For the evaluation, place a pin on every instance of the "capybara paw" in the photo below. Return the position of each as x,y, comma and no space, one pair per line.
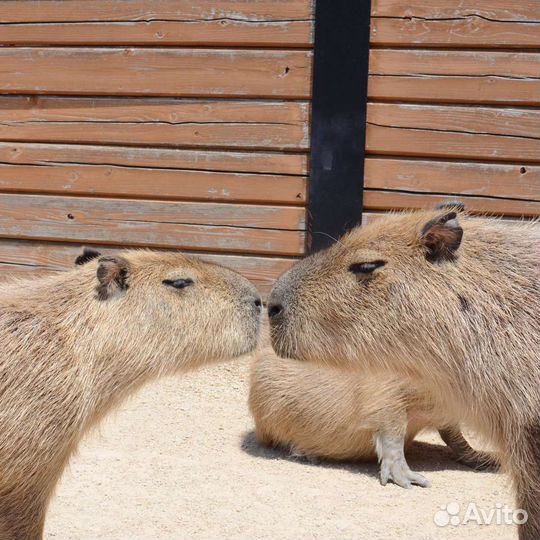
398,472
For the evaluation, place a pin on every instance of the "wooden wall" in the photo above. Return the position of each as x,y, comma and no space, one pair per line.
185,123
454,105
163,123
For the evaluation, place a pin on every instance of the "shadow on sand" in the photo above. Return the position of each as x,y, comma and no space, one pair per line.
421,456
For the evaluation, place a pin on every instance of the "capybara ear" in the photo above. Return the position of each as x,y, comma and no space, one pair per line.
456,206
442,237
112,274
87,255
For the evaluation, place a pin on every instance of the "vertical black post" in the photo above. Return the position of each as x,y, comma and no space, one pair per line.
338,119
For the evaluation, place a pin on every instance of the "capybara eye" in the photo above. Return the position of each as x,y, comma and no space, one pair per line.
178,283
365,267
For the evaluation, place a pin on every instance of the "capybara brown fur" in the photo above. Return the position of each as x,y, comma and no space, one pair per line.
77,343
323,412
451,302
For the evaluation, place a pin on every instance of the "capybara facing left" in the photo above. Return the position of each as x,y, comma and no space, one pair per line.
76,344
451,302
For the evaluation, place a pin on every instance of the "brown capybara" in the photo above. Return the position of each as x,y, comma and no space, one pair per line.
450,302
77,343
323,412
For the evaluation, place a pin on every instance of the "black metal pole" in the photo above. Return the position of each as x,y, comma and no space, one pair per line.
338,119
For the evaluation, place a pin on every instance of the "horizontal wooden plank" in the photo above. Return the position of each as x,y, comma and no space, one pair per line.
397,200
458,132
459,63
460,31
223,31
153,22
481,90
259,24
203,160
414,75
455,76
160,72
516,122
100,11
433,143
216,32
26,258
156,122
449,23
496,10
196,226
457,179
97,180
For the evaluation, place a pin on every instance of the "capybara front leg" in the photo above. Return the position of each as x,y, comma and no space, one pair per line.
390,448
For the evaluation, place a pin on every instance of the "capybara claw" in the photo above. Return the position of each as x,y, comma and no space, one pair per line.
399,473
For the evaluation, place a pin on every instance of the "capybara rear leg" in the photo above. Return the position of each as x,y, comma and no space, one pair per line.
464,453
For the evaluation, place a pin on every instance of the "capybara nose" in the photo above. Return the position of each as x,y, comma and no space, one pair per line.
274,310
254,300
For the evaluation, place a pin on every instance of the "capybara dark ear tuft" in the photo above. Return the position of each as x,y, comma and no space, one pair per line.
441,237
87,255
112,274
456,206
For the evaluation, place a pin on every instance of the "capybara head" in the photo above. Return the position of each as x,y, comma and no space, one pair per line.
166,305
399,285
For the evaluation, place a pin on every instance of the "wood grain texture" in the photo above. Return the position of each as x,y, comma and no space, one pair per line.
154,22
497,10
100,11
397,200
452,23
457,132
455,76
196,226
462,31
455,89
514,122
454,178
27,258
417,75
146,183
427,62
262,24
203,160
160,72
156,122
204,33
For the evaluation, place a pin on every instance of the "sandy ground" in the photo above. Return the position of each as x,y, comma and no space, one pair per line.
180,461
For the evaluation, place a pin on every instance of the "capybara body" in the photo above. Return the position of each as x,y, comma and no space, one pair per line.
450,302
323,412
77,343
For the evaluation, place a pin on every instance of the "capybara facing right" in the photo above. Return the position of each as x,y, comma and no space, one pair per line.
452,303
75,344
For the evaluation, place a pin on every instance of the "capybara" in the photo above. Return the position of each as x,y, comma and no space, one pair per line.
77,343
323,412
451,302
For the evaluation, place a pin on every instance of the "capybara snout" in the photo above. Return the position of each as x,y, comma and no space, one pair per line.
184,307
